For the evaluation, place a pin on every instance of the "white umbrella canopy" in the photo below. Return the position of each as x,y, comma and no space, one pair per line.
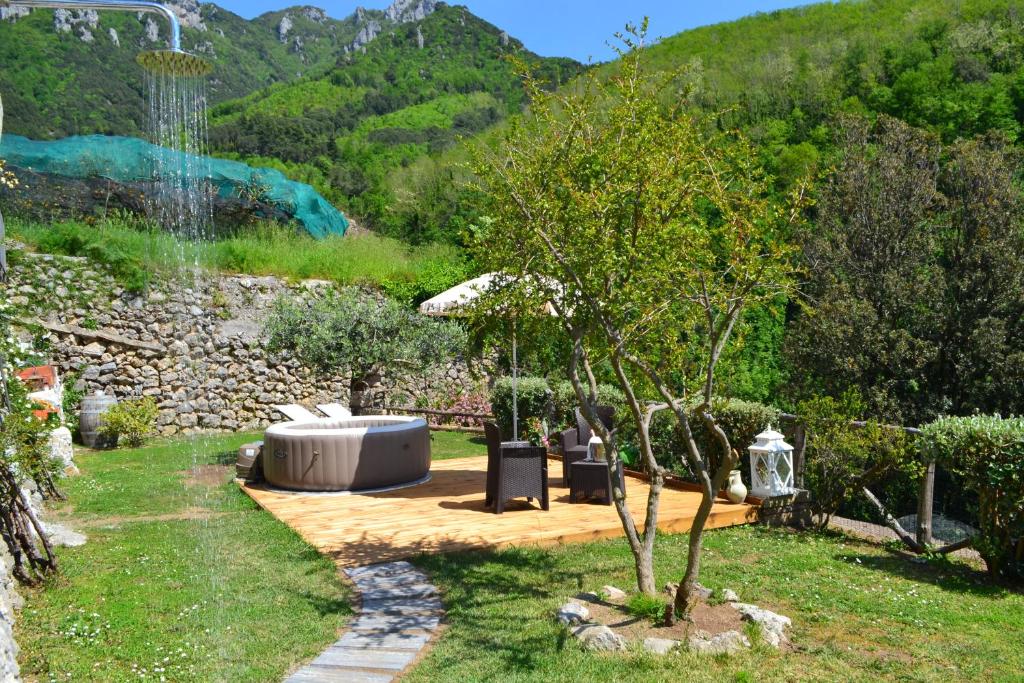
456,301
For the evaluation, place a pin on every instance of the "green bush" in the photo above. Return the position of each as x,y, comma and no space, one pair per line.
564,404
534,400
987,453
741,421
841,459
130,422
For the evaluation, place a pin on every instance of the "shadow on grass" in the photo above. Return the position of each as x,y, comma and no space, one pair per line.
326,606
481,591
948,575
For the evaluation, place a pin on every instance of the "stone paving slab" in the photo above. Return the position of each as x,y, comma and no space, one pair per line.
319,674
399,614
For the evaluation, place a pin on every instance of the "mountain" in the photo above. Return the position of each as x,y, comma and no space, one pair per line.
74,72
392,104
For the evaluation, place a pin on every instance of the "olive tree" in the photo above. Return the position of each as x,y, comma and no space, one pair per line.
648,231
355,334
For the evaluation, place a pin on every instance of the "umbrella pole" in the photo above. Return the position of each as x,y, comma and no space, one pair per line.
515,388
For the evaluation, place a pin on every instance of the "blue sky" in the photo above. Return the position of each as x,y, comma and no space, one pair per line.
567,28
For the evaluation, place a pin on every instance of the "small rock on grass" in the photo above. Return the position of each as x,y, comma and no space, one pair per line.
613,594
599,638
728,595
660,646
726,643
573,612
773,626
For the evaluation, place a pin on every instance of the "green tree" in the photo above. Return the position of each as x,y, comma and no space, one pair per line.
649,233
356,334
916,277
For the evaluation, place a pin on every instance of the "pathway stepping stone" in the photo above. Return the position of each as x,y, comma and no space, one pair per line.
400,612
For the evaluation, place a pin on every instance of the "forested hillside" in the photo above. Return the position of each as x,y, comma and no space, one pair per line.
72,73
955,68
414,91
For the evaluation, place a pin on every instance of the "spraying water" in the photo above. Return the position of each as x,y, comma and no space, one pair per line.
182,200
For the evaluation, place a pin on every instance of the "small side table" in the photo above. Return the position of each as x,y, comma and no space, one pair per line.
593,479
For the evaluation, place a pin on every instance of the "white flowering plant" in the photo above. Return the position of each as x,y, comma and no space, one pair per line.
7,178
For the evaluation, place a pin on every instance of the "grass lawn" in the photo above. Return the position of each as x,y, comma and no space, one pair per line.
448,445
183,577
183,573
860,612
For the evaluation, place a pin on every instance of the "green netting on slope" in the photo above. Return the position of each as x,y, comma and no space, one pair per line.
130,160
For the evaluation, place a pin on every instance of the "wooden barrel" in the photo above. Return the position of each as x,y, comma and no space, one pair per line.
93,407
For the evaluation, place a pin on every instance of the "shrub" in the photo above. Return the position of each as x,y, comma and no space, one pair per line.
131,422
534,400
71,402
842,459
987,453
741,421
564,404
646,606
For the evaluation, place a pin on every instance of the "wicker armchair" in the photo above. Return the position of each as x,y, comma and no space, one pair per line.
514,471
574,440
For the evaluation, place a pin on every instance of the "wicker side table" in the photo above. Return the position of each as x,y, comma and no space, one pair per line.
593,479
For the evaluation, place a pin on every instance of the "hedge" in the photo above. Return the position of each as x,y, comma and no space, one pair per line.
556,403
534,400
987,453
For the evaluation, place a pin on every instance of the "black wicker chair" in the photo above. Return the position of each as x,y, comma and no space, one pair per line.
575,439
514,471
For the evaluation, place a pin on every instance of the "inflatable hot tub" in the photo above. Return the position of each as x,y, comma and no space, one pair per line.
347,454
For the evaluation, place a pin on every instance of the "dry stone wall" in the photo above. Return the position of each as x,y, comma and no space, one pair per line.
194,343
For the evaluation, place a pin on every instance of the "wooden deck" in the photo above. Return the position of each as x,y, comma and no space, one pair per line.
448,514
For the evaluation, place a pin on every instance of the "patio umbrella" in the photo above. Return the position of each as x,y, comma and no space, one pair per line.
454,302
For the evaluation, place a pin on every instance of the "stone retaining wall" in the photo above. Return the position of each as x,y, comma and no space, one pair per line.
202,356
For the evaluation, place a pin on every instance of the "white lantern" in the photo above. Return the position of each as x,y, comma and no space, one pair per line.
595,448
771,465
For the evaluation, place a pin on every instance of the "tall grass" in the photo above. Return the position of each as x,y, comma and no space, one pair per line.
134,250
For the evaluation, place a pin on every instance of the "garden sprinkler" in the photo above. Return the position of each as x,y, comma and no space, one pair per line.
172,62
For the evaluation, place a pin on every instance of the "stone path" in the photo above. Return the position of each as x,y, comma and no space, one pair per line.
399,614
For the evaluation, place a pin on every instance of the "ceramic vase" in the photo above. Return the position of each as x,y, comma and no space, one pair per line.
736,491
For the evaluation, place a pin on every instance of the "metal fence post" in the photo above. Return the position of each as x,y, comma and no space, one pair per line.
925,501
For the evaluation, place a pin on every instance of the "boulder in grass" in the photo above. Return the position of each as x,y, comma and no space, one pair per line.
572,613
660,646
726,643
728,595
773,626
599,638
613,594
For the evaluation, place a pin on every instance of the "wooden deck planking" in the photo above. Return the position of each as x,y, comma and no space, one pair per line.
448,514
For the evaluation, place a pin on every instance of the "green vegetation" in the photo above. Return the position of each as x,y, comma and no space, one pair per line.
859,611
348,131
183,576
360,337
134,252
450,445
130,422
987,452
643,606
56,85
649,231
915,276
